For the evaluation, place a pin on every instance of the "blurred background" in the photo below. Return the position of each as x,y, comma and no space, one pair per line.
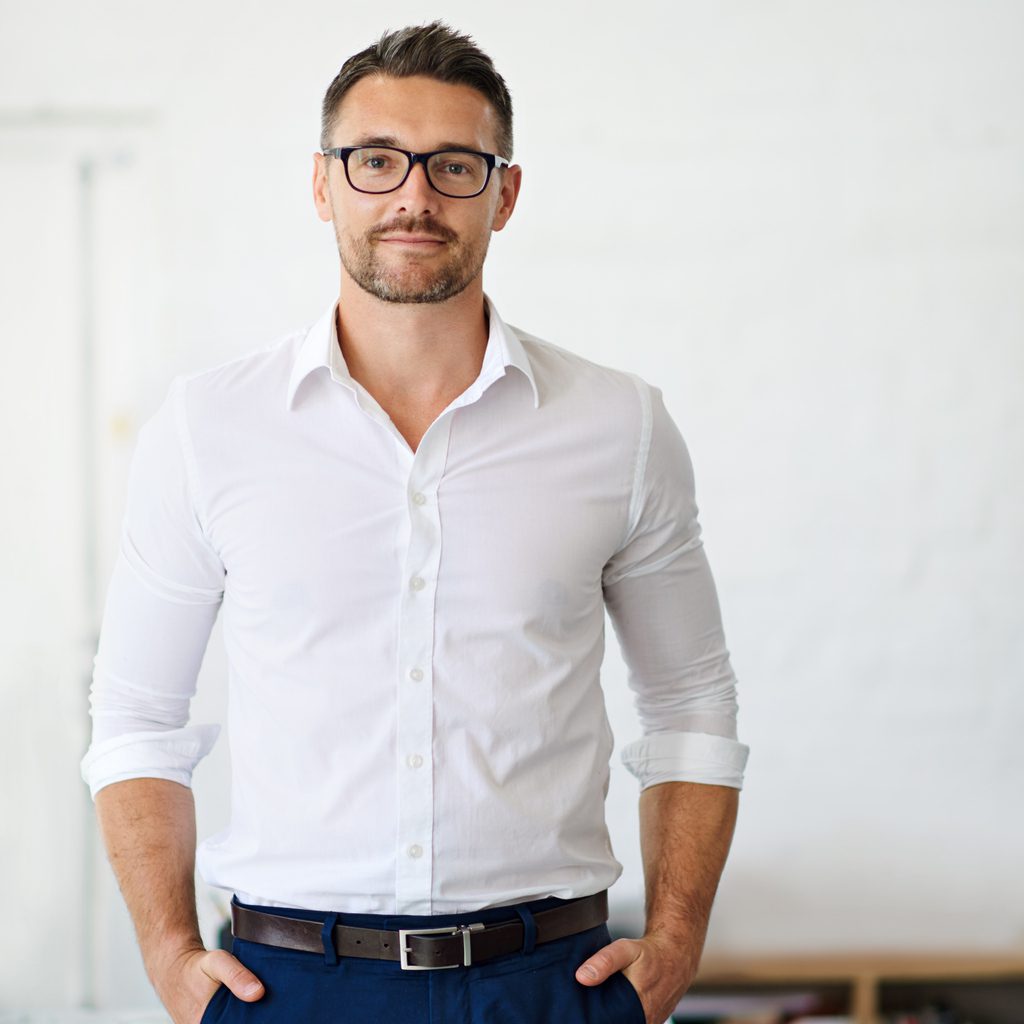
803,220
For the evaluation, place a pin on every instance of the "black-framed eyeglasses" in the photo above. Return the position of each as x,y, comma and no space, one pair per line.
458,173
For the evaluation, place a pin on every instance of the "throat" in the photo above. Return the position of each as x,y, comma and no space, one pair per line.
412,421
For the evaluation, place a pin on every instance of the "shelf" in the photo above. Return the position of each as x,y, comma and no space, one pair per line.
867,977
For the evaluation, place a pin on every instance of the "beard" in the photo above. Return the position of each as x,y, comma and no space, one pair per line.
413,281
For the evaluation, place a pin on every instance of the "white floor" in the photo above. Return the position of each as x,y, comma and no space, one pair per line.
83,1017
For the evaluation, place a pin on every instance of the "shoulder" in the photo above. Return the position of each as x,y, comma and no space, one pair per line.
611,406
249,377
563,374
217,407
235,397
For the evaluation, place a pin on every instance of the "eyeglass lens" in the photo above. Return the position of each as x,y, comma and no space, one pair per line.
378,169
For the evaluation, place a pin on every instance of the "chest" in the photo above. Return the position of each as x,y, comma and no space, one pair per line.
515,519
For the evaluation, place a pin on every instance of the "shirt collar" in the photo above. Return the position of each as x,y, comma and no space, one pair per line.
504,349
314,352
320,348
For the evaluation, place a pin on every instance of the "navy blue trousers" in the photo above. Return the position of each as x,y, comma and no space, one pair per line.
531,986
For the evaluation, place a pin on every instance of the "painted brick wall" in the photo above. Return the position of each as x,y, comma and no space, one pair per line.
805,223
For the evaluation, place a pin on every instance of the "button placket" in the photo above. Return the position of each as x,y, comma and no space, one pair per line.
414,863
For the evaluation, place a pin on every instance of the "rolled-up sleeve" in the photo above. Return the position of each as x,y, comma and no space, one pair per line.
664,607
164,594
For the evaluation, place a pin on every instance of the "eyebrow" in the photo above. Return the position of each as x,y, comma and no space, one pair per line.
390,140
375,140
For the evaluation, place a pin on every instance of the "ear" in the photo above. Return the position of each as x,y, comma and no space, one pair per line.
511,180
321,187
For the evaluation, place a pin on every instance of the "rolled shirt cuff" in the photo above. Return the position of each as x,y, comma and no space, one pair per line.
686,757
157,754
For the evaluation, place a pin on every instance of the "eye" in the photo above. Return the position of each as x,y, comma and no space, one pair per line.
375,160
462,173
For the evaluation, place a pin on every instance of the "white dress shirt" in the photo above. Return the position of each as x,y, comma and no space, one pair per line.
415,714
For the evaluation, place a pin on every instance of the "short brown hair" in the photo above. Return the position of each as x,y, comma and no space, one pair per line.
433,50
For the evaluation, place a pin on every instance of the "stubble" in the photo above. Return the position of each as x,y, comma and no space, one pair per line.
411,280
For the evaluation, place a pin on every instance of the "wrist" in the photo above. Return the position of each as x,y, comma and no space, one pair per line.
171,954
681,942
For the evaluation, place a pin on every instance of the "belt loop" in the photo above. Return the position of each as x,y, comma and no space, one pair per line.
327,937
529,928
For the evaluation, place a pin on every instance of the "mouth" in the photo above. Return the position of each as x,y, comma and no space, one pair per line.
424,240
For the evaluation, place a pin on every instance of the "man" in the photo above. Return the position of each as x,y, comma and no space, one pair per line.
414,516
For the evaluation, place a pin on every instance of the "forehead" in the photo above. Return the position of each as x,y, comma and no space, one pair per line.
420,113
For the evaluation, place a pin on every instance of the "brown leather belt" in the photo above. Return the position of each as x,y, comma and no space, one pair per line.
421,949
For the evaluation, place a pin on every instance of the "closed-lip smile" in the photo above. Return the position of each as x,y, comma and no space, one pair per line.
411,238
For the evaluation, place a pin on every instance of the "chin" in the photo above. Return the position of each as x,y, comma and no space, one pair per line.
416,296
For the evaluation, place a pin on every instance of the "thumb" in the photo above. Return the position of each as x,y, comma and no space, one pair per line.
607,960
221,966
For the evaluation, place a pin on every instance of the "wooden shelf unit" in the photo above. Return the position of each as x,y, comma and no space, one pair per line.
863,973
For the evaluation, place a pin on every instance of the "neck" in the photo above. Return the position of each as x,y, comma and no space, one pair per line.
423,353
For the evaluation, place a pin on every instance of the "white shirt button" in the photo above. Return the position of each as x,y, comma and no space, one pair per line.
417,583
415,850
419,499
415,674
414,760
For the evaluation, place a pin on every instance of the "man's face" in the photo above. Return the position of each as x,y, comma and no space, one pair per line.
413,244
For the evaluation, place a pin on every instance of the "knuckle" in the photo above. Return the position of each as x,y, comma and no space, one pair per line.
236,972
221,965
212,963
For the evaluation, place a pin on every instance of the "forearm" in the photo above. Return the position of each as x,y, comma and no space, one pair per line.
686,829
149,829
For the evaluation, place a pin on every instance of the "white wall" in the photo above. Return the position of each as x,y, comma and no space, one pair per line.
824,271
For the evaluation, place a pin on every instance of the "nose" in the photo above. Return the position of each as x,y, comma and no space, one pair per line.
416,196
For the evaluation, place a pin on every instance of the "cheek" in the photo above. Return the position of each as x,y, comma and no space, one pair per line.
355,214
479,224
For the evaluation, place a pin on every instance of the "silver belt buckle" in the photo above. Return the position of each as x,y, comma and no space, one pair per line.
467,952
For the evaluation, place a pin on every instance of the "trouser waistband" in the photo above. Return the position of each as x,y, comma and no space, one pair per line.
420,942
